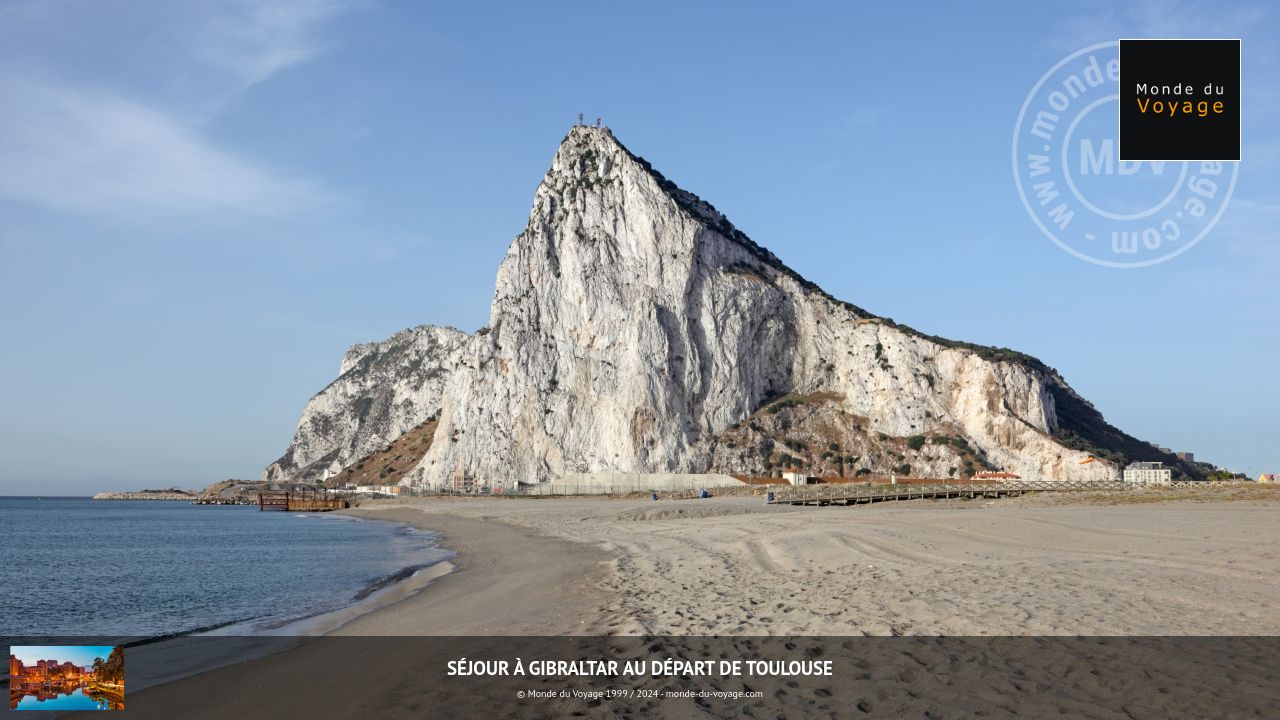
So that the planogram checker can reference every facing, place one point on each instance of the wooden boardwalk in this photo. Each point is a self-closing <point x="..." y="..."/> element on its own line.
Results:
<point x="861" y="493"/>
<point x="300" y="502"/>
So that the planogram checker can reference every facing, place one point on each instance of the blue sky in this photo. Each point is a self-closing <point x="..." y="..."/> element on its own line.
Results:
<point x="202" y="204"/>
<point x="81" y="655"/>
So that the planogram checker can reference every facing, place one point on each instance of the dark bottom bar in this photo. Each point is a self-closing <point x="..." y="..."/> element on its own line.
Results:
<point x="683" y="677"/>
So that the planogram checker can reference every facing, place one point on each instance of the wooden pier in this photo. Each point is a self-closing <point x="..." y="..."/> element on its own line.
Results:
<point x="301" y="502"/>
<point x="862" y="493"/>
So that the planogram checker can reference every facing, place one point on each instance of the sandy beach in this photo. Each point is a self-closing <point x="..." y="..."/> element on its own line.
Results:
<point x="505" y="583"/>
<point x="1205" y="564"/>
<point x="1029" y="566"/>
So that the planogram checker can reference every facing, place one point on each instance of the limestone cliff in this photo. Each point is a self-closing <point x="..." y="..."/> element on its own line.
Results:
<point x="633" y="328"/>
<point x="383" y="390"/>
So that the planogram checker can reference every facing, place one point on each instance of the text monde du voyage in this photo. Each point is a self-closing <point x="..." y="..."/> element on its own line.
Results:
<point x="1179" y="99"/>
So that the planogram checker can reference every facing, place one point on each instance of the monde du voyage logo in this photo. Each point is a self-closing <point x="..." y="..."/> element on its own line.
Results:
<point x="1124" y="153"/>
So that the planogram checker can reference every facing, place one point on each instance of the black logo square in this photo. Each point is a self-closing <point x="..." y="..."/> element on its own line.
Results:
<point x="1179" y="99"/>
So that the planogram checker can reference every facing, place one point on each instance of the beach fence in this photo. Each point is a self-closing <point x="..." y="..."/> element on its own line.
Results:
<point x="620" y="483"/>
<point x="862" y="493"/>
<point x="302" y="501"/>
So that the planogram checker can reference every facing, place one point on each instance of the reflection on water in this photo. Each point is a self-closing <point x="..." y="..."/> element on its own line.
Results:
<point x="61" y="695"/>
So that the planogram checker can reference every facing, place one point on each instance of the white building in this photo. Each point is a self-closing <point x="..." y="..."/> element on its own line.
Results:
<point x="795" y="477"/>
<point x="383" y="490"/>
<point x="1148" y="473"/>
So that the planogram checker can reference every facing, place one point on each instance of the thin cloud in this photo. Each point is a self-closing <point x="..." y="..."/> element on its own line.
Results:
<point x="102" y="146"/>
<point x="256" y="40"/>
<point x="91" y="151"/>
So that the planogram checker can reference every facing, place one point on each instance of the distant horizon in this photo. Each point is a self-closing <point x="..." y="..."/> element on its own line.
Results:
<point x="88" y="496"/>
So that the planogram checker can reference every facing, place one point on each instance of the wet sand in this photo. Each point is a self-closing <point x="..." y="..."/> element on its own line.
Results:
<point x="507" y="581"/>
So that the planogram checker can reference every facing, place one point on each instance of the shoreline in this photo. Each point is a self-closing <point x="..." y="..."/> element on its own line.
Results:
<point x="178" y="656"/>
<point x="498" y="574"/>
<point x="379" y="593"/>
<point x="504" y="580"/>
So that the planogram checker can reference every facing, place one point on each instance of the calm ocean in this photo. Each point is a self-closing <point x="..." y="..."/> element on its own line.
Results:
<point x="76" y="566"/>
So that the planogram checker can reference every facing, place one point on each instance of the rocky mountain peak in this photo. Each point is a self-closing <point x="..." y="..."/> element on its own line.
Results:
<point x="634" y="329"/>
<point x="591" y="159"/>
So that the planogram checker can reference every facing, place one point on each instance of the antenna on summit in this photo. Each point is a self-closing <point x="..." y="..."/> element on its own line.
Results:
<point x="580" y="119"/>
<point x="597" y="122"/>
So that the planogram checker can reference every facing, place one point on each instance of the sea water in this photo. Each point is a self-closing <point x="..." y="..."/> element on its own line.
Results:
<point x="75" y="566"/>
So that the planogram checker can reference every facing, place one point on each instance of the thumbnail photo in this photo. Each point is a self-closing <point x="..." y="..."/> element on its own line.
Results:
<point x="66" y="677"/>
